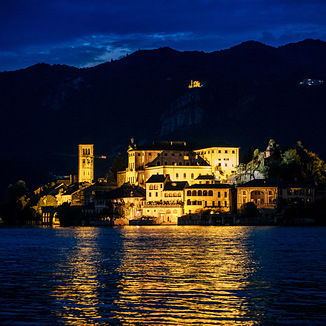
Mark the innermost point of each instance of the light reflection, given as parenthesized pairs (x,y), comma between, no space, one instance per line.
(77,286)
(194,277)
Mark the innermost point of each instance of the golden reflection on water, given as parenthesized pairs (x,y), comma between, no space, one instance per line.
(184,275)
(77,290)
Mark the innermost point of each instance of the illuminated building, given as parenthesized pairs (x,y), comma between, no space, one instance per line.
(164,199)
(217,197)
(85,163)
(223,160)
(195,84)
(262,192)
(178,160)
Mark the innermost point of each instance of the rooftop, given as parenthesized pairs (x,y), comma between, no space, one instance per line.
(157,178)
(178,185)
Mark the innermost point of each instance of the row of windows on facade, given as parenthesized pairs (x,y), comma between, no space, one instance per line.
(205,193)
(257,193)
(165,154)
(86,151)
(218,151)
(260,201)
(299,192)
(174,194)
(199,202)
(167,212)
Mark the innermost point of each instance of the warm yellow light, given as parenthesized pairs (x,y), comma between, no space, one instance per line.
(195,84)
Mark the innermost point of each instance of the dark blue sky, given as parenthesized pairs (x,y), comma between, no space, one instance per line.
(84,33)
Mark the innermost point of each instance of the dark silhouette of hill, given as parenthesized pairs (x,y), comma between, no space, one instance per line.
(250,93)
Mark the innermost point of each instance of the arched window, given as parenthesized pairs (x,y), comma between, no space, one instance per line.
(179,194)
(192,175)
(188,202)
(184,175)
(194,193)
(194,202)
(189,193)
(151,187)
(175,194)
(200,193)
(165,195)
(205,193)
(170,194)
(210,193)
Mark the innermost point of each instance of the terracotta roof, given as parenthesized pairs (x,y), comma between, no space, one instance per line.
(277,183)
(205,177)
(210,186)
(126,190)
(155,178)
(178,185)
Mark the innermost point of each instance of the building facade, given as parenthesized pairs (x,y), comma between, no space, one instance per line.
(85,163)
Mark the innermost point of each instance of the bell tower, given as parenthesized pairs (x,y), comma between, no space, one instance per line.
(85,163)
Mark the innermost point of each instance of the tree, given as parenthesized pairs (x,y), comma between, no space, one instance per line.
(249,210)
(119,164)
(21,207)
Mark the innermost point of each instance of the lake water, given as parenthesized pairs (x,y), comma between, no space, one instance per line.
(182,275)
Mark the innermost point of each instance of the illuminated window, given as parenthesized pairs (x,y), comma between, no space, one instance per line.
(189,203)
(205,193)
(189,193)
(177,175)
(192,175)
(184,175)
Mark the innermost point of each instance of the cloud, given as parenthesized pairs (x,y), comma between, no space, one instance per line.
(83,32)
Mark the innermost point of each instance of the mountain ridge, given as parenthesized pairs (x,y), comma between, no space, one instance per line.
(250,94)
